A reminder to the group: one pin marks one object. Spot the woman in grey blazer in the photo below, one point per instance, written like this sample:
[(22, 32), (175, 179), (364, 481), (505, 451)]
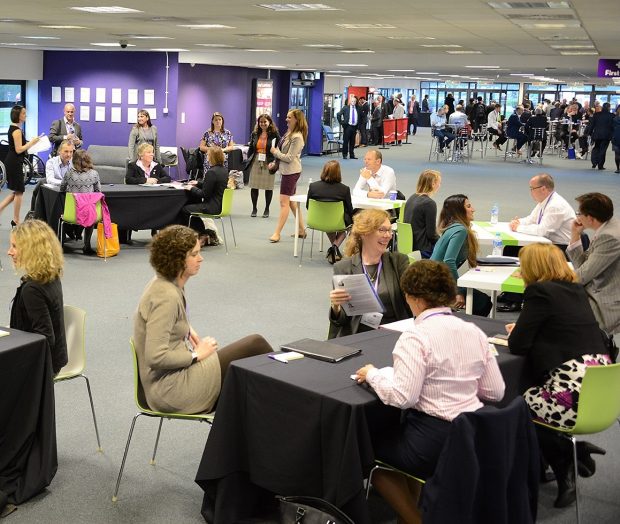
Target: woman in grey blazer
[(143, 132)]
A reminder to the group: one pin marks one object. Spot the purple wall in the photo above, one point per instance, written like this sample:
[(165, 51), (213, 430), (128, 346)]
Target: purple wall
[(125, 70)]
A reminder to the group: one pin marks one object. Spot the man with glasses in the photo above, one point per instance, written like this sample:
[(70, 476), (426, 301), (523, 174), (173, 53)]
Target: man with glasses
[(552, 218)]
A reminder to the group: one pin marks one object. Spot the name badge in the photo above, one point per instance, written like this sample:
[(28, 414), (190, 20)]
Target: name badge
[(262, 157), (372, 320)]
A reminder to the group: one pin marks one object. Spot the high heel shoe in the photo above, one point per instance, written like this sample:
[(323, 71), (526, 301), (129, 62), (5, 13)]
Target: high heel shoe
[(331, 255), (567, 492), (274, 239), (338, 254), (254, 213), (586, 467), (13, 224)]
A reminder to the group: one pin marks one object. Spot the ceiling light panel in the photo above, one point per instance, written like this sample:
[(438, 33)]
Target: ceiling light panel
[(324, 46), (298, 7), (440, 45), (365, 26), (464, 52), (206, 26), (109, 10)]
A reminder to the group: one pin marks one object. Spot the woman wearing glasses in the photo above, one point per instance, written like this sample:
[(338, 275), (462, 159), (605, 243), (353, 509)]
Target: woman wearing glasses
[(367, 253)]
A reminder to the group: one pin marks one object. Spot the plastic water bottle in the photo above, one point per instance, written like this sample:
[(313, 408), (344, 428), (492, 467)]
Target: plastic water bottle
[(495, 214), (498, 247)]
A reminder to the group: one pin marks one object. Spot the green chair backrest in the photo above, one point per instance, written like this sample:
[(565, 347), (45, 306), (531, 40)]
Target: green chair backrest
[(401, 213), (405, 237), (326, 216), (599, 399), (69, 214), (227, 201), (139, 395), (75, 320)]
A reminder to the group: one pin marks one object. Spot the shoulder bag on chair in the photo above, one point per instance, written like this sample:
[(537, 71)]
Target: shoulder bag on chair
[(310, 510), (112, 246)]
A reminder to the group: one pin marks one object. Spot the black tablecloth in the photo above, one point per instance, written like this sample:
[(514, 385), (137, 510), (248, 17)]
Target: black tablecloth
[(28, 459), (131, 207), (305, 428)]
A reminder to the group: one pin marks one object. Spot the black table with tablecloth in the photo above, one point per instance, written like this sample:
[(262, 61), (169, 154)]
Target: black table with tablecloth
[(131, 206), (305, 428), (28, 459)]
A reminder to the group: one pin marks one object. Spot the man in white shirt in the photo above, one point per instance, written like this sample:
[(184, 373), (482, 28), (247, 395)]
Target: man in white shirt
[(438, 125), (376, 180), (458, 118), (55, 169)]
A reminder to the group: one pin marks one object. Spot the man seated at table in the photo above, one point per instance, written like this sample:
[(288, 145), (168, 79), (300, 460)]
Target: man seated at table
[(551, 218), (513, 130), (458, 118), (55, 169), (438, 126), (598, 266), (376, 179), (538, 121)]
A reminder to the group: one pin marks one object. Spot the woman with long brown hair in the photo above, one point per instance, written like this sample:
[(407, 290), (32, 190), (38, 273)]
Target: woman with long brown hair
[(259, 157), (457, 244)]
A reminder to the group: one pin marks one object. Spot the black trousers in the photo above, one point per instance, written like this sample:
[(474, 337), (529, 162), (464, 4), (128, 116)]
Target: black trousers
[(375, 135), (412, 121), (598, 152), (348, 141)]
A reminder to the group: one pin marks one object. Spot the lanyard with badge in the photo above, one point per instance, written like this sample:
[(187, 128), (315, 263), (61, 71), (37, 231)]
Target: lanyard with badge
[(373, 320), (542, 211)]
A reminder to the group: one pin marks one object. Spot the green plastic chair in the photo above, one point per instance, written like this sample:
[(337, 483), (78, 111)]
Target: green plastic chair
[(69, 216), (227, 201), (401, 213), (405, 241), (598, 409), (75, 320), (144, 409), (327, 217)]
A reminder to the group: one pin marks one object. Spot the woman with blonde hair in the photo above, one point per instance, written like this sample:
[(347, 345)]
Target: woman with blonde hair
[(143, 132), (559, 336), (457, 244), (38, 304), (421, 212), (288, 153), (367, 253)]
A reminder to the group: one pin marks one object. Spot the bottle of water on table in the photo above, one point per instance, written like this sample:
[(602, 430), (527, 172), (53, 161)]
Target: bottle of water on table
[(498, 247), (495, 214)]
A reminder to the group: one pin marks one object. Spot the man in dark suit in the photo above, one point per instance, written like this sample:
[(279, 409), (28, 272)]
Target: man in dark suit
[(376, 122), (66, 129), (363, 109), (349, 119), (601, 129)]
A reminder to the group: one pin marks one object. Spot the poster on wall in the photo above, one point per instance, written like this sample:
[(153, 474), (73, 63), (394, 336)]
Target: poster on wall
[(117, 96), (132, 97), (100, 95), (149, 97), (262, 97), (115, 114), (132, 115), (151, 111), (100, 114), (84, 113), (56, 94), (69, 94), (85, 95)]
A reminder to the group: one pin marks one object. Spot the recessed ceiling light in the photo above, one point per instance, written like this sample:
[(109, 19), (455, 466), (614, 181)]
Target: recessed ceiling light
[(261, 50), (18, 43), (214, 45), (521, 74), (352, 65), (271, 66), (366, 26), (356, 51), (411, 37), (110, 44), (63, 27), (464, 52), (482, 67), (112, 10), (440, 45), (426, 73), (169, 50), (338, 71), (298, 7), (579, 53), (573, 46), (402, 70), (325, 46), (206, 26), (42, 37), (146, 37)]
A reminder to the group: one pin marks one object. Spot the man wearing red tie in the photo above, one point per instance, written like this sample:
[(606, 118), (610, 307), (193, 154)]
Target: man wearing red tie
[(349, 120)]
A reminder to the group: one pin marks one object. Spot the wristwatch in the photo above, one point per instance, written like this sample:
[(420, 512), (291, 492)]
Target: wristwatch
[(194, 357)]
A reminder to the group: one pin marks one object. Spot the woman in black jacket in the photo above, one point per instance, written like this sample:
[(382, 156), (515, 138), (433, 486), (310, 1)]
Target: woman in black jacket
[(560, 338), (38, 305), (421, 212), (331, 189), (145, 170), (264, 136)]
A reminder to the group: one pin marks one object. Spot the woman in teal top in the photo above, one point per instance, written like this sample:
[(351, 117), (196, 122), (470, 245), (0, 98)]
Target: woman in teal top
[(458, 243)]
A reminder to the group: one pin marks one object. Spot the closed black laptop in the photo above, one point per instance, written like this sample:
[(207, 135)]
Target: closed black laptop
[(321, 350)]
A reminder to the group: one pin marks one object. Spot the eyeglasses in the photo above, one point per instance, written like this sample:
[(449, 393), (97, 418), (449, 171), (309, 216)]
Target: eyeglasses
[(384, 230), (537, 187), (578, 213)]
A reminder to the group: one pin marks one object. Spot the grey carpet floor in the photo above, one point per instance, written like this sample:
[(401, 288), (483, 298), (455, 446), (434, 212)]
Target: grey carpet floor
[(259, 287)]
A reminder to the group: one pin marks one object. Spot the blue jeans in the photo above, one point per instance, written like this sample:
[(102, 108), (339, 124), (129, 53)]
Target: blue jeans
[(444, 137)]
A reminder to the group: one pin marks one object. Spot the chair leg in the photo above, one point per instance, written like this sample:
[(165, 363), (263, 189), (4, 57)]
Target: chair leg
[(224, 234), (92, 408), (311, 244), (233, 230), (161, 421), (120, 473), (574, 443), (301, 255), (369, 482)]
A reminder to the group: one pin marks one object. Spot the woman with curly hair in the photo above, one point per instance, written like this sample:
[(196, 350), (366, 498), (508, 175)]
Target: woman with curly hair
[(180, 371), (457, 244), (38, 305), (366, 252)]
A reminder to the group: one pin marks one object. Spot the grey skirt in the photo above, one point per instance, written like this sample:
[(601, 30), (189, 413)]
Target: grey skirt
[(260, 178)]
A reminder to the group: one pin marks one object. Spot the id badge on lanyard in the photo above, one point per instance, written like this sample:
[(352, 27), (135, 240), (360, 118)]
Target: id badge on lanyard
[(262, 157), (373, 320)]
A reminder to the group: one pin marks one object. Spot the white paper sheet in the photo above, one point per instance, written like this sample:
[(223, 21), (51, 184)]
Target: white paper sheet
[(132, 97), (56, 94), (43, 144), (115, 114), (364, 298), (152, 112), (84, 113), (100, 95), (149, 97), (132, 115), (117, 95), (100, 114), (69, 94), (85, 95)]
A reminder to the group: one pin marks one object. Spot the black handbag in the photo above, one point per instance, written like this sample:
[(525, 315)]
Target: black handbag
[(310, 510)]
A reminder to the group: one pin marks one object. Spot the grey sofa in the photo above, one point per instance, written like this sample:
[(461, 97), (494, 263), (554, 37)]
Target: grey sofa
[(110, 162)]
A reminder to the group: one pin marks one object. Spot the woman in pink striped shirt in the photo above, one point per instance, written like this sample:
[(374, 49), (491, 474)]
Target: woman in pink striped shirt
[(442, 368)]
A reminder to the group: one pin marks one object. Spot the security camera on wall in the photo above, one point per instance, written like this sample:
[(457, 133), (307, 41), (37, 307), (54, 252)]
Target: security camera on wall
[(123, 44)]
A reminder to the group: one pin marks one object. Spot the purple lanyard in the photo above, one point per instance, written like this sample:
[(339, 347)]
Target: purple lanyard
[(376, 283), (542, 211), (438, 313)]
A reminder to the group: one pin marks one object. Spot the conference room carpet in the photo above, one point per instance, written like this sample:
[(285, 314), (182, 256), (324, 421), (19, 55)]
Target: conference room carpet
[(259, 287)]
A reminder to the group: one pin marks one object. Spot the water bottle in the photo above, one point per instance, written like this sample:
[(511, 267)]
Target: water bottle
[(497, 245), (495, 214)]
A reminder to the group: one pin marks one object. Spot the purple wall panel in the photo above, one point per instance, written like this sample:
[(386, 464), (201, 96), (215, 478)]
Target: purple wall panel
[(315, 130), (125, 70)]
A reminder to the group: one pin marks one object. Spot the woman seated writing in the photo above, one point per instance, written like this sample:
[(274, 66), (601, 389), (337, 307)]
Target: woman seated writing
[(457, 244), (145, 170), (442, 368), (558, 334), (331, 189), (180, 371), (367, 248)]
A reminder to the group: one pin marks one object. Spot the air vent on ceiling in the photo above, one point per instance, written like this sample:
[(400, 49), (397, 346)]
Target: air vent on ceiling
[(529, 5), (540, 17)]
